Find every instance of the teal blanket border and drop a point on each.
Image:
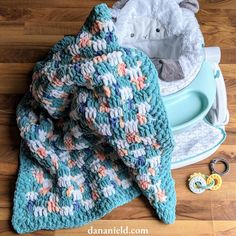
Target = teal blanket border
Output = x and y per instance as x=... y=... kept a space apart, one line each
x=55 y=221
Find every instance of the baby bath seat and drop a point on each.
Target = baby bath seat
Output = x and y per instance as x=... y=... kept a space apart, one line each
x=198 y=113
x=191 y=81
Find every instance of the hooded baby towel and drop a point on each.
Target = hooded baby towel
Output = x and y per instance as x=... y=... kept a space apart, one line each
x=95 y=133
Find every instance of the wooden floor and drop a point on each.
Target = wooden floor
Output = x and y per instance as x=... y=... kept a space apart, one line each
x=28 y=28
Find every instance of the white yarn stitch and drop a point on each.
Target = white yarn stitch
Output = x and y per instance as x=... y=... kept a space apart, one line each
x=104 y=129
x=80 y=162
x=87 y=68
x=54 y=197
x=131 y=126
x=143 y=177
x=108 y=190
x=111 y=173
x=87 y=204
x=93 y=185
x=116 y=112
x=143 y=108
x=108 y=79
x=134 y=72
x=122 y=143
x=81 y=145
x=95 y=165
x=108 y=26
x=147 y=140
x=33 y=117
x=74 y=49
x=77 y=195
x=40 y=211
x=51 y=110
x=100 y=44
x=66 y=210
x=114 y=58
x=64 y=156
x=31 y=196
x=138 y=152
x=50 y=75
x=90 y=113
x=126 y=183
x=35 y=144
x=56 y=56
x=82 y=97
x=79 y=179
x=64 y=181
x=157 y=186
x=42 y=135
x=67 y=80
x=154 y=161
x=126 y=93
x=85 y=34
x=56 y=93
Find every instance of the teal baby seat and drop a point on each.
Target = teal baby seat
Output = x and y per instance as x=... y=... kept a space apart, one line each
x=191 y=104
x=191 y=82
x=195 y=114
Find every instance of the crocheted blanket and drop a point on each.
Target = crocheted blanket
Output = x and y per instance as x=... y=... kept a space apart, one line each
x=95 y=133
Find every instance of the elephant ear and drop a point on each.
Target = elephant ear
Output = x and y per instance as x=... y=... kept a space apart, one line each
x=169 y=70
x=119 y=4
x=192 y=5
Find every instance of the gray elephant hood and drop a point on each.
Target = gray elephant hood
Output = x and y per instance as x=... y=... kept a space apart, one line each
x=168 y=32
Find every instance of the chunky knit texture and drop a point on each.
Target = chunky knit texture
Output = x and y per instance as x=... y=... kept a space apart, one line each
x=95 y=133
